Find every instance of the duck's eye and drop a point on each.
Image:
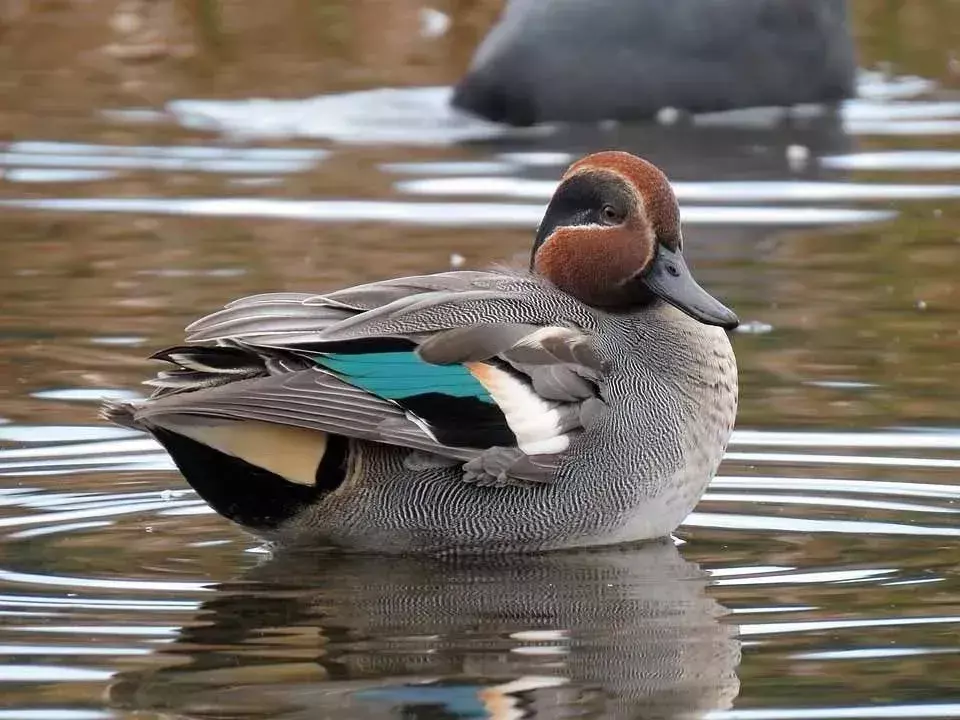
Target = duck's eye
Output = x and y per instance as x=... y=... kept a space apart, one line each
x=610 y=215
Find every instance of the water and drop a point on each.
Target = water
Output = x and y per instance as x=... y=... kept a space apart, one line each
x=817 y=579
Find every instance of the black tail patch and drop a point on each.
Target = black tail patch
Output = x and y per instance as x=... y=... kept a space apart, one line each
x=249 y=495
x=332 y=470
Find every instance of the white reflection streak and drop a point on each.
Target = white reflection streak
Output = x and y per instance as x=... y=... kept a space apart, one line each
x=159 y=462
x=77 y=501
x=197 y=152
x=890 y=440
x=52 y=175
x=462 y=214
x=200 y=508
x=47 y=518
x=67 y=163
x=923 y=160
x=912 y=581
x=871 y=653
x=720 y=191
x=107 y=447
x=96 y=502
x=69 y=603
x=826 y=502
x=902 y=127
x=819 y=625
x=843 y=460
x=73 y=651
x=862 y=109
x=53 y=713
x=452 y=167
x=119 y=630
x=773 y=609
x=51 y=673
x=860 y=487
x=77 y=582
x=870 y=712
x=64 y=433
x=750 y=570
x=734 y=521
x=808 y=578
x=133 y=462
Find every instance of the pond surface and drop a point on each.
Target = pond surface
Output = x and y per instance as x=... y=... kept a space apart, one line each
x=143 y=185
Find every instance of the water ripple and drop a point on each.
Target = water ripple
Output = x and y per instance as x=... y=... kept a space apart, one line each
x=865 y=712
x=64 y=158
x=733 y=521
x=36 y=579
x=898 y=160
x=759 y=191
x=51 y=673
x=69 y=512
x=458 y=214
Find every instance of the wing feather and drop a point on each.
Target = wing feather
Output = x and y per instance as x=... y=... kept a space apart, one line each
x=311 y=361
x=308 y=399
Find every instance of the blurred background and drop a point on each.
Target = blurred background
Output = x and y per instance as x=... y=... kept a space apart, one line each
x=159 y=158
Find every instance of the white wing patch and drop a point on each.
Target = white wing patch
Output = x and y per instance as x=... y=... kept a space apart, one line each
x=540 y=425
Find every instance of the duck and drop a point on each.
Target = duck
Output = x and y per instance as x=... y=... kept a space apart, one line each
x=576 y=62
x=584 y=399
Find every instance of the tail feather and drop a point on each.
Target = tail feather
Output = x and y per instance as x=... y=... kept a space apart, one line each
x=194 y=368
x=119 y=412
x=203 y=366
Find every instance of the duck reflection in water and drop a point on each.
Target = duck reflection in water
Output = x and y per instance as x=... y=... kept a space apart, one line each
x=616 y=633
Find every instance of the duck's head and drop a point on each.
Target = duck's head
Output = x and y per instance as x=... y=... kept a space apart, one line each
x=611 y=238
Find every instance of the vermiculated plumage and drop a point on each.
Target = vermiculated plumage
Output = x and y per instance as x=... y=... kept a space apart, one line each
x=469 y=411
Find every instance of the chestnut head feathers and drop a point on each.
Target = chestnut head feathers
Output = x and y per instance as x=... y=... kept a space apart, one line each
x=611 y=238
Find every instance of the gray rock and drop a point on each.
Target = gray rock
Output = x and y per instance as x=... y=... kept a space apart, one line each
x=586 y=60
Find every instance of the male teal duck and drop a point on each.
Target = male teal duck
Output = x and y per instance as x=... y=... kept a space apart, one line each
x=586 y=400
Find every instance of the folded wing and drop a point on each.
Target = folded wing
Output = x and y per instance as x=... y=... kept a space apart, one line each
x=460 y=366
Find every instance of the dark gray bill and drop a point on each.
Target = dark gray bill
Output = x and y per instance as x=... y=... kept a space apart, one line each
x=669 y=278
